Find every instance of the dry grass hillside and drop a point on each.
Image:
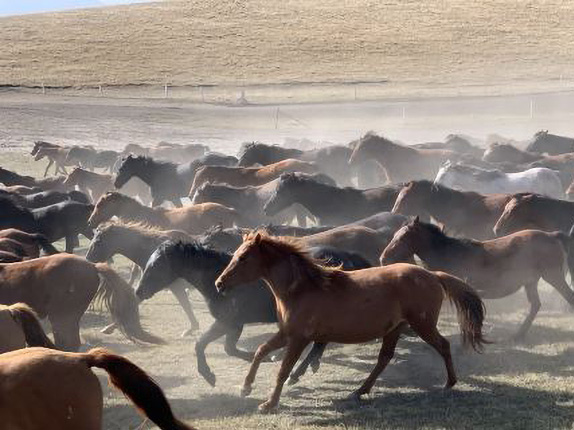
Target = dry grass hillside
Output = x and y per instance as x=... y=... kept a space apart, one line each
x=409 y=44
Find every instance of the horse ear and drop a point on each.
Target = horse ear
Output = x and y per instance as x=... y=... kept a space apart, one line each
x=257 y=238
x=416 y=220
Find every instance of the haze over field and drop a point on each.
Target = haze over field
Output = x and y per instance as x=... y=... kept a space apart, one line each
x=410 y=48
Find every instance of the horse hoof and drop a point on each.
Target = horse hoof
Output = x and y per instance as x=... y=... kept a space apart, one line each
x=315 y=367
x=246 y=391
x=354 y=397
x=448 y=386
x=267 y=407
x=210 y=379
x=292 y=380
x=188 y=332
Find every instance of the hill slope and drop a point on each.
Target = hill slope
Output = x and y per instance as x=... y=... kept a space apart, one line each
x=245 y=42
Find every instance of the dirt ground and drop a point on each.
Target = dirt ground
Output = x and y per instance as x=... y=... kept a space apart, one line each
x=526 y=386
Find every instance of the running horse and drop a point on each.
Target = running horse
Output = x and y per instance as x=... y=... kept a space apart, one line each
x=61 y=287
x=52 y=390
x=496 y=268
x=320 y=304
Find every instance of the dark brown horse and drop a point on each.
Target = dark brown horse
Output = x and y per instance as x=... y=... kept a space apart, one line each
x=533 y=211
x=61 y=287
x=507 y=153
x=322 y=304
x=53 y=390
x=463 y=212
x=552 y=144
x=495 y=268
x=401 y=163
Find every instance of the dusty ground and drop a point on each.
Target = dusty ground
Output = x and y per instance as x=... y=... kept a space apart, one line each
x=388 y=48
x=525 y=386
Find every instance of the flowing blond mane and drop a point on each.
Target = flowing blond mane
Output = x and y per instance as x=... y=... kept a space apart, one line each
x=144 y=229
x=311 y=273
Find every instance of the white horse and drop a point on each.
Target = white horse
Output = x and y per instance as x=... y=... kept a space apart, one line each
x=538 y=180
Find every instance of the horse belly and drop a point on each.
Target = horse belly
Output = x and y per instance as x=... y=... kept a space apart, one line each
x=11 y=334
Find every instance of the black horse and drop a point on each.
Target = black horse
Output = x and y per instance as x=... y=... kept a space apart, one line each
x=201 y=266
x=61 y=220
x=44 y=198
x=167 y=181
x=330 y=204
x=9 y=179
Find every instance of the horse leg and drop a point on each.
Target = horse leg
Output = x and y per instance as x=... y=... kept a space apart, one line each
x=385 y=355
x=556 y=279
x=295 y=347
x=311 y=359
x=177 y=202
x=66 y=330
x=50 y=162
x=71 y=243
x=427 y=331
x=213 y=333
x=180 y=294
x=231 y=349
x=534 y=300
x=134 y=274
x=277 y=341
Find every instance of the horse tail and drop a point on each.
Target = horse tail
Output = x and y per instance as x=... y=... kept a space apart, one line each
x=119 y=298
x=470 y=309
x=137 y=386
x=568 y=243
x=45 y=244
x=28 y=320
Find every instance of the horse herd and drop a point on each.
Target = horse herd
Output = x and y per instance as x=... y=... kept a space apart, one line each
x=345 y=244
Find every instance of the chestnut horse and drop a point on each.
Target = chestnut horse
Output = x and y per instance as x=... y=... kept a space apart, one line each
x=54 y=153
x=19 y=326
x=61 y=287
x=249 y=176
x=533 y=211
x=191 y=219
x=401 y=163
x=462 y=212
x=53 y=390
x=496 y=268
x=320 y=304
x=507 y=153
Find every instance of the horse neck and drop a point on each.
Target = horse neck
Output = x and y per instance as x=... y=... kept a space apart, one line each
x=140 y=213
x=279 y=277
x=442 y=253
x=203 y=280
x=441 y=200
x=387 y=153
x=133 y=245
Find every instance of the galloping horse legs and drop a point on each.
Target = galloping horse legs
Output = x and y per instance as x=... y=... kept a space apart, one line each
x=385 y=355
x=534 y=300
x=313 y=359
x=178 y=290
x=428 y=332
x=71 y=243
x=231 y=338
x=213 y=333
x=277 y=341
x=556 y=279
x=295 y=347
x=50 y=162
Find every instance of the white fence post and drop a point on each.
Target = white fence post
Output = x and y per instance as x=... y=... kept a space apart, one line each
x=531 y=108
x=43 y=88
x=276 y=118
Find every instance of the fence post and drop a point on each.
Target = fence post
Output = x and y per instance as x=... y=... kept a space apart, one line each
x=166 y=91
x=276 y=118
x=531 y=108
x=43 y=88
x=404 y=112
x=202 y=95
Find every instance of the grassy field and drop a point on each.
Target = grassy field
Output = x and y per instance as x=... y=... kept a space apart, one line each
x=403 y=48
x=510 y=386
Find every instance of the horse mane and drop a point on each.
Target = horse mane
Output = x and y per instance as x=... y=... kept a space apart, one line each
x=372 y=137
x=149 y=162
x=190 y=250
x=309 y=272
x=477 y=172
x=441 y=239
x=142 y=228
